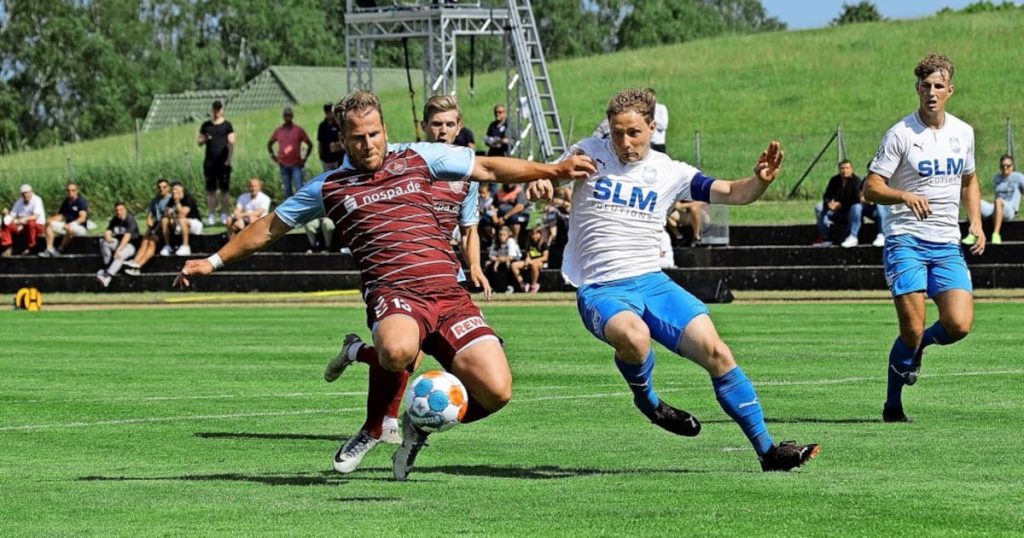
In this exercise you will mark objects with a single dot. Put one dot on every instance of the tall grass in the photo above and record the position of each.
(739, 92)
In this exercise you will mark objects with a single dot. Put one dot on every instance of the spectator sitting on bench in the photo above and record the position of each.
(116, 245)
(697, 214)
(23, 224)
(513, 207)
(71, 220)
(498, 268)
(840, 204)
(154, 213)
(251, 206)
(1008, 187)
(536, 259)
(556, 219)
(182, 217)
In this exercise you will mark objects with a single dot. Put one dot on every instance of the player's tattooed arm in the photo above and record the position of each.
(970, 195)
(254, 238)
(745, 191)
(511, 170)
(878, 191)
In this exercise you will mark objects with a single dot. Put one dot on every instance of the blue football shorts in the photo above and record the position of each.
(664, 306)
(913, 264)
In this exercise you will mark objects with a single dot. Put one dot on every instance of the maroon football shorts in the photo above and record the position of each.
(449, 322)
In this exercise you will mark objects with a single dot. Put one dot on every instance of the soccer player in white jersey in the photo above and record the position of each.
(923, 169)
(626, 300)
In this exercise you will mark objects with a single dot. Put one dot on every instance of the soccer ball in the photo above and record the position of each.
(436, 401)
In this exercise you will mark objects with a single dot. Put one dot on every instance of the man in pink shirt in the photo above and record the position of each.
(290, 137)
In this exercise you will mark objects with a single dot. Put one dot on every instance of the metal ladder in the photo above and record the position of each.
(533, 80)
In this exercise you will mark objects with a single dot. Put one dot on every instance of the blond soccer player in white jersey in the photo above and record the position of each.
(924, 169)
(626, 300)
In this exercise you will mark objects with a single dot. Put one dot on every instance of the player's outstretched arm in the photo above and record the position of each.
(970, 196)
(254, 238)
(511, 170)
(877, 191)
(745, 191)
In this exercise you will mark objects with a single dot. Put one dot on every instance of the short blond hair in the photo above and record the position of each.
(933, 63)
(360, 101)
(440, 103)
(637, 100)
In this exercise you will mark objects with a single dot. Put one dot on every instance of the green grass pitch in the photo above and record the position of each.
(216, 421)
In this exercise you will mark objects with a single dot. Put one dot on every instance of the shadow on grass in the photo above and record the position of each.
(324, 478)
(272, 436)
(329, 478)
(817, 420)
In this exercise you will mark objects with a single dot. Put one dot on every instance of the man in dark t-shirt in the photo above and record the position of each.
(218, 136)
(328, 138)
(497, 137)
(465, 138)
(71, 220)
(116, 246)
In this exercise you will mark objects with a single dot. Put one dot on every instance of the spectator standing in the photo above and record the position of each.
(465, 138)
(290, 137)
(328, 138)
(658, 137)
(251, 206)
(513, 208)
(71, 220)
(182, 217)
(840, 204)
(23, 224)
(497, 136)
(154, 213)
(116, 245)
(1009, 186)
(218, 136)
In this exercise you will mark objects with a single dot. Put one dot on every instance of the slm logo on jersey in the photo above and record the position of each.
(935, 167)
(606, 190)
(463, 327)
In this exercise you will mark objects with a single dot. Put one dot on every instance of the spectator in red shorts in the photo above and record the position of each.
(23, 224)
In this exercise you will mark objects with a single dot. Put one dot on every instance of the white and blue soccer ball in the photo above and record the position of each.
(436, 401)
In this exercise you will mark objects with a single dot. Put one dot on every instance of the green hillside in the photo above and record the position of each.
(740, 92)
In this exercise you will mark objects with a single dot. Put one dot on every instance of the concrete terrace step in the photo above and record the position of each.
(794, 277)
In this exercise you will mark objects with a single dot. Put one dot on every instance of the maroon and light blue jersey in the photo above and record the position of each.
(387, 217)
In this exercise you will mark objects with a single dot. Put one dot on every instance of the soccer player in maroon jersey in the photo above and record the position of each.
(381, 202)
(455, 205)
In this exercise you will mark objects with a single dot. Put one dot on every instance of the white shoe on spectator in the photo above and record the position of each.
(132, 271)
(166, 251)
(103, 277)
(184, 250)
(223, 218)
(879, 240)
(209, 219)
(510, 290)
(391, 432)
(850, 241)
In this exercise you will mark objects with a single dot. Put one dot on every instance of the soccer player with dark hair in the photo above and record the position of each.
(626, 300)
(924, 168)
(381, 201)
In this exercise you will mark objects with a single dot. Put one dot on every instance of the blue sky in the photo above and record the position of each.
(799, 14)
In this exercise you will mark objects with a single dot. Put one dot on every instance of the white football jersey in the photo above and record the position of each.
(618, 214)
(930, 163)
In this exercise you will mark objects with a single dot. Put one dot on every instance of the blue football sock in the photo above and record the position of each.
(936, 334)
(641, 382)
(736, 395)
(901, 359)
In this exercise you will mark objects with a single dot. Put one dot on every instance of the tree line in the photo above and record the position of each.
(80, 69)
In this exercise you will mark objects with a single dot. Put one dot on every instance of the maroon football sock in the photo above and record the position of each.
(385, 387)
(474, 412)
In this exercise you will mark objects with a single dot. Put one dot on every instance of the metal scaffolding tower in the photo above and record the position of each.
(533, 121)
